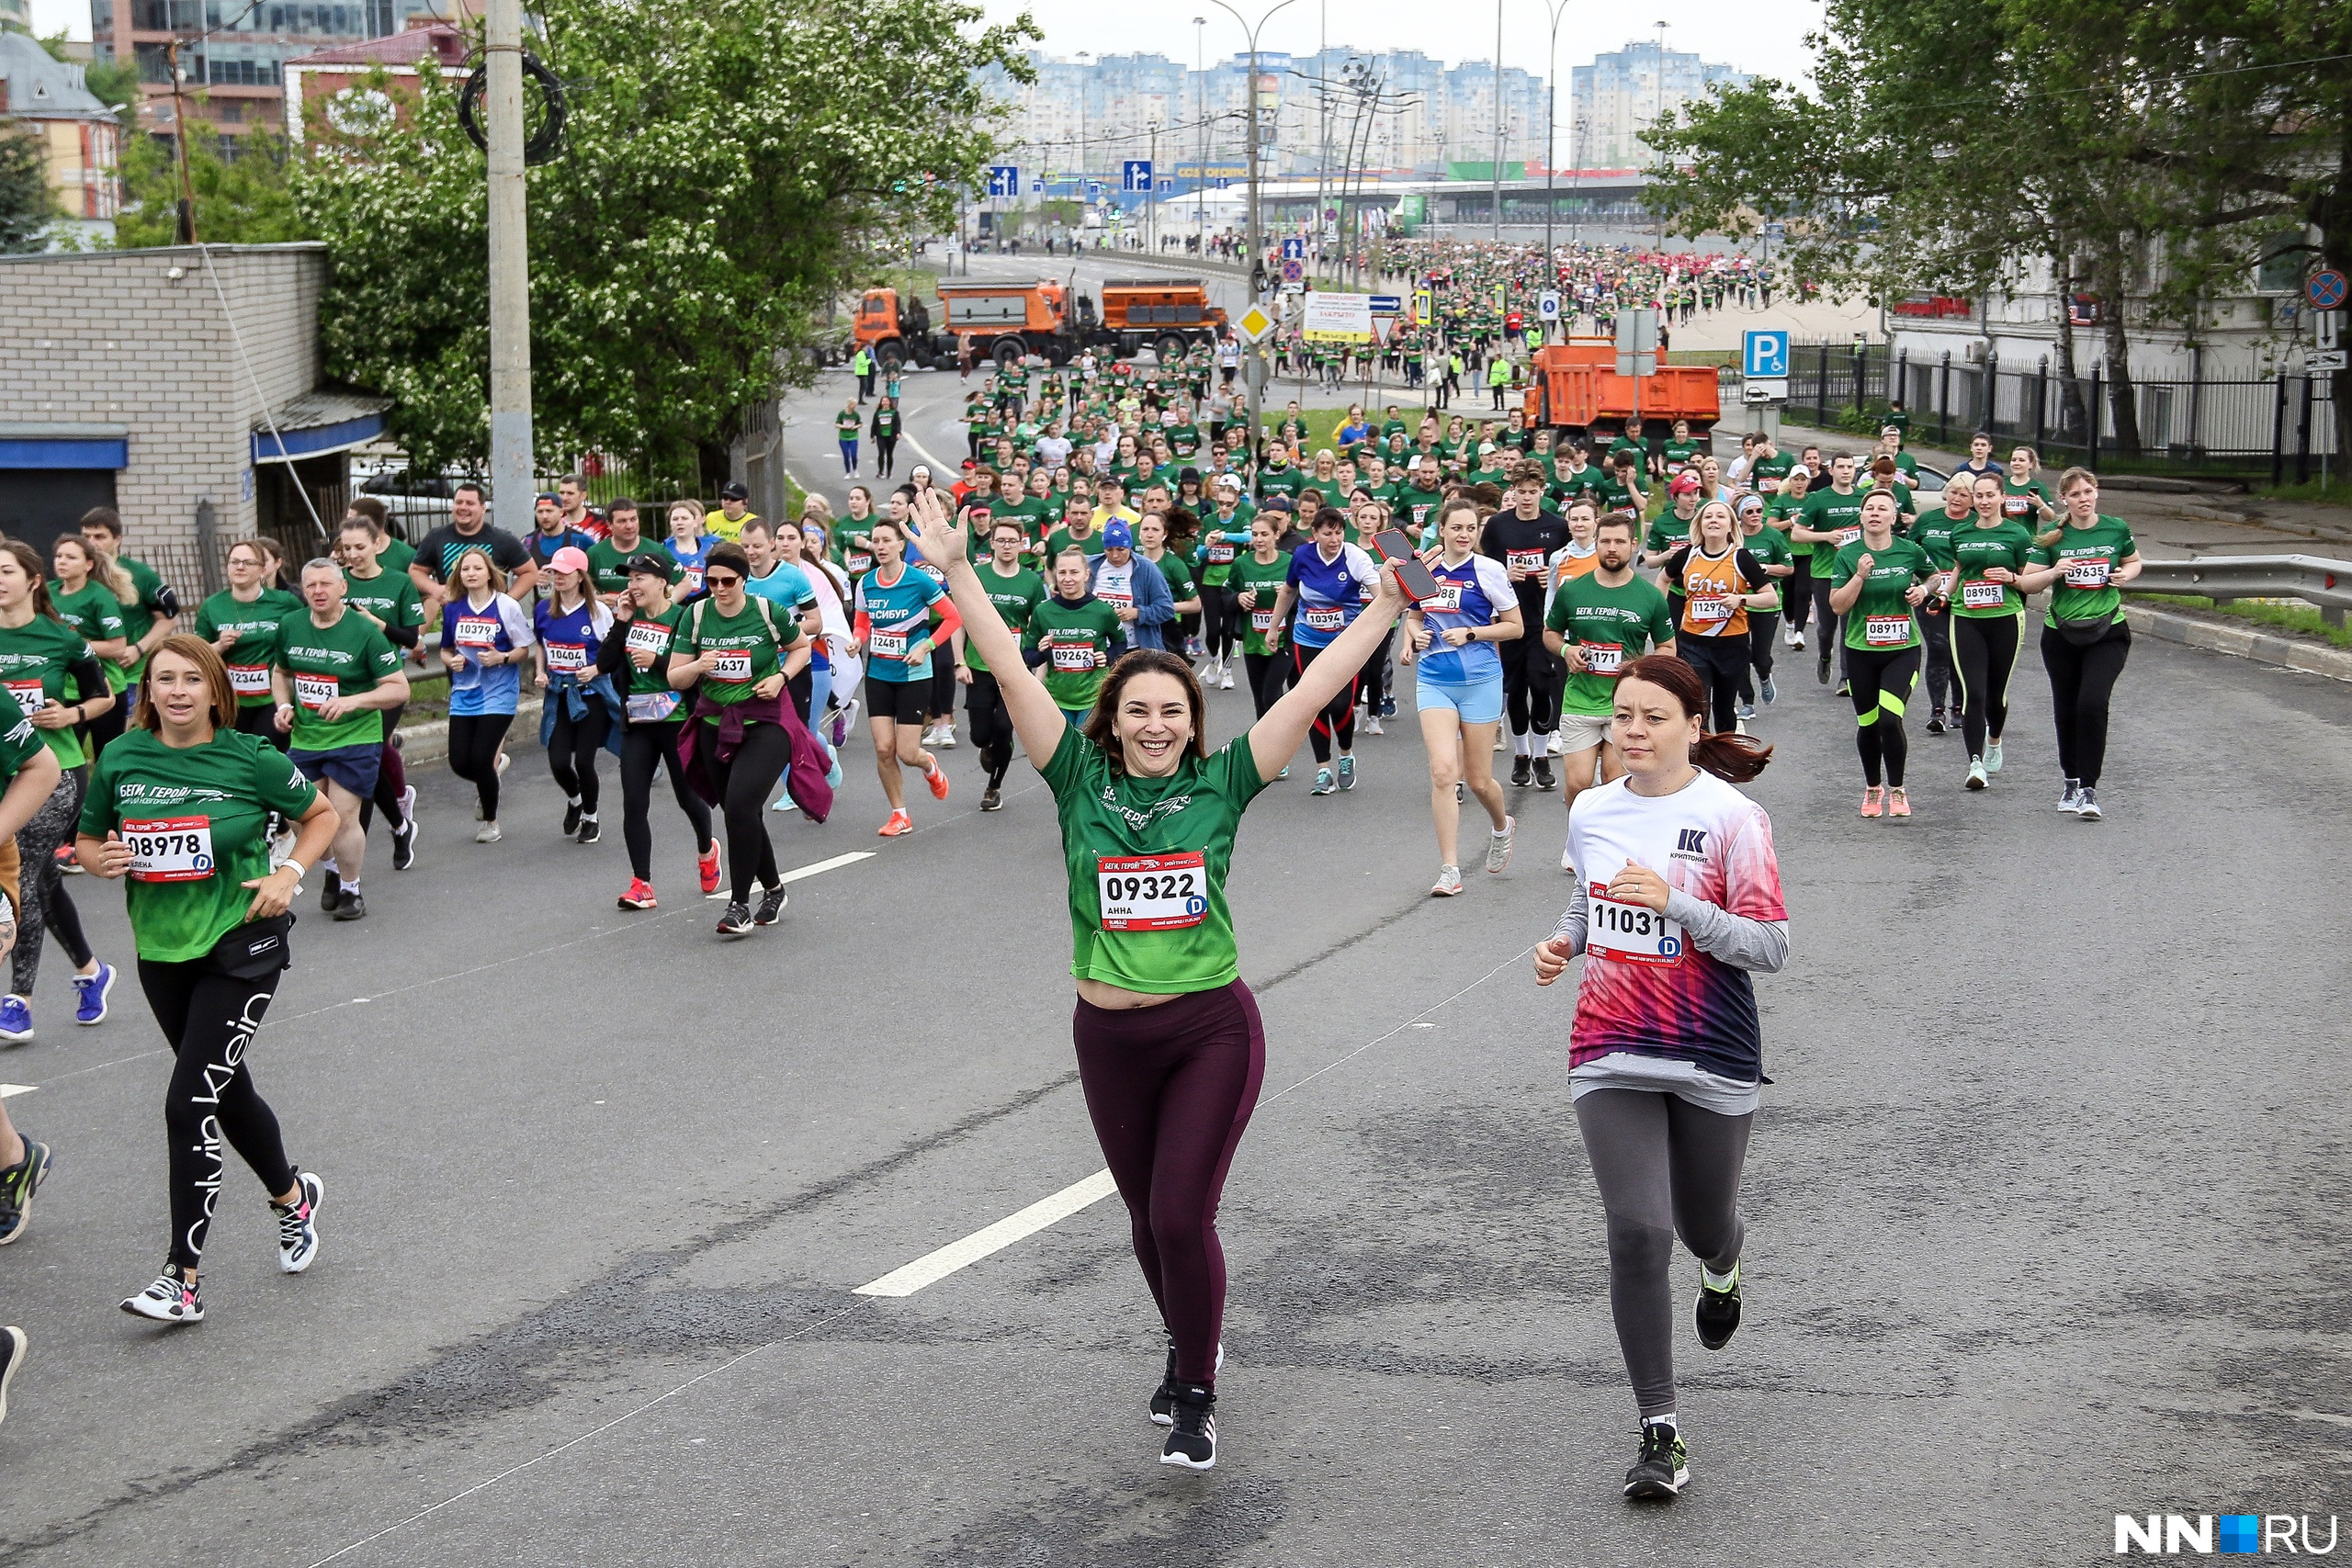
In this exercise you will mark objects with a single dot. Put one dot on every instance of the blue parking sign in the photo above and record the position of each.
(1765, 354)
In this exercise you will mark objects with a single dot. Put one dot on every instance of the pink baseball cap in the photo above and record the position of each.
(572, 557)
(1684, 484)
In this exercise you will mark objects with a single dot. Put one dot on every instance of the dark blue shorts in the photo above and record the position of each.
(353, 767)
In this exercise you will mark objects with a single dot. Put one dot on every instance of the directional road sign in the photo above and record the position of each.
(1294, 270)
(1166, 181)
(1005, 179)
(1255, 323)
(1136, 175)
(2325, 289)
(1387, 304)
(1293, 250)
(1221, 183)
(1547, 305)
(1765, 356)
(1422, 309)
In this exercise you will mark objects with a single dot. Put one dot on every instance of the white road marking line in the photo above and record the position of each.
(7, 1089)
(800, 873)
(932, 1267)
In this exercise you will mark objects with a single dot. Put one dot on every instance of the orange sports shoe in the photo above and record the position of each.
(899, 822)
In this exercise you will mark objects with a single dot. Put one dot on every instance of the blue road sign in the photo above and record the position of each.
(1036, 187)
(2325, 289)
(1293, 250)
(1136, 175)
(1766, 354)
(1294, 270)
(1166, 181)
(1387, 304)
(1221, 182)
(1005, 179)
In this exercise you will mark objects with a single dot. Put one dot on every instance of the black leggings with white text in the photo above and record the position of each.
(210, 1018)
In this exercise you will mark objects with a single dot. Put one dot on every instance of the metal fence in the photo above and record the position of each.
(2285, 425)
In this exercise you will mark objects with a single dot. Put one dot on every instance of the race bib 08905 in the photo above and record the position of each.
(1152, 892)
(1982, 595)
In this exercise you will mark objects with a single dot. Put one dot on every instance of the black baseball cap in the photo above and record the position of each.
(651, 564)
(734, 489)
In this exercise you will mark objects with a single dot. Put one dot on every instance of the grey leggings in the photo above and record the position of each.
(44, 906)
(1665, 1167)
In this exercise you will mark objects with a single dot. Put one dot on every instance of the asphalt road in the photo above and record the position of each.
(2044, 1203)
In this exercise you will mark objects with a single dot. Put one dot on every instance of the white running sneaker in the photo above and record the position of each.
(1449, 881)
(1993, 757)
(1498, 845)
(297, 1225)
(1372, 725)
(487, 833)
(169, 1300)
(1223, 678)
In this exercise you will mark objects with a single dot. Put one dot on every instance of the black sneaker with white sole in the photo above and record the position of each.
(18, 1185)
(404, 845)
(571, 817)
(737, 920)
(1663, 1468)
(170, 1299)
(1163, 1398)
(1521, 772)
(1717, 1312)
(330, 889)
(1192, 1431)
(12, 1357)
(590, 828)
(771, 907)
(297, 1225)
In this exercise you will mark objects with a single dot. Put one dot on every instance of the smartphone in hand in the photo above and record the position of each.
(1412, 576)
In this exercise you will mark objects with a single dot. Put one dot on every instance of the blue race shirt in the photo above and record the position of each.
(786, 586)
(1330, 592)
(1475, 593)
(475, 690)
(692, 560)
(899, 611)
(569, 641)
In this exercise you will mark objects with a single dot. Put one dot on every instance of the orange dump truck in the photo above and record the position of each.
(1169, 314)
(1576, 385)
(1011, 322)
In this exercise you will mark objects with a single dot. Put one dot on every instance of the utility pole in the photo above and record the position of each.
(1658, 114)
(1551, 118)
(511, 468)
(1201, 113)
(179, 136)
(1498, 169)
(1256, 373)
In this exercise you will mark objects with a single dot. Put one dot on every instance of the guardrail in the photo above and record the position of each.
(2312, 578)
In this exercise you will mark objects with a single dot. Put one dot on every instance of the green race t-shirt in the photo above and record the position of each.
(390, 596)
(749, 651)
(1059, 540)
(1264, 580)
(36, 665)
(1615, 625)
(1973, 549)
(653, 634)
(255, 651)
(345, 660)
(1073, 636)
(1179, 576)
(1932, 532)
(1016, 598)
(1147, 860)
(1828, 512)
(608, 563)
(19, 739)
(139, 616)
(1882, 621)
(1770, 548)
(2090, 555)
(194, 817)
(93, 612)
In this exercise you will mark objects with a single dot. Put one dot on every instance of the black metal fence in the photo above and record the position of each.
(2285, 425)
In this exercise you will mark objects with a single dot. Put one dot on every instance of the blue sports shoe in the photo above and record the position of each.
(1347, 772)
(16, 1019)
(90, 994)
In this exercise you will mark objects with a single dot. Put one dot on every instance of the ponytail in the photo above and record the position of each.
(1732, 757)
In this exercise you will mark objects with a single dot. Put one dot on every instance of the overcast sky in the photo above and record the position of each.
(1764, 37)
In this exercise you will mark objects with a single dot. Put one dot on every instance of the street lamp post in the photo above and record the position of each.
(1658, 113)
(1257, 372)
(1498, 169)
(1551, 118)
(1201, 113)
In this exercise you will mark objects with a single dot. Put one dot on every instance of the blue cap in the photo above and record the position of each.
(1117, 535)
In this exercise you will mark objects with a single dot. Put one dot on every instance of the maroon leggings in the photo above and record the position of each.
(1170, 1088)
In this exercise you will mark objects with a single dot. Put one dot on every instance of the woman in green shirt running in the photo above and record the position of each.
(2085, 639)
(240, 622)
(1170, 1051)
(1877, 583)
(180, 805)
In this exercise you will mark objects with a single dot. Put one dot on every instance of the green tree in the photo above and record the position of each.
(241, 200)
(727, 168)
(25, 206)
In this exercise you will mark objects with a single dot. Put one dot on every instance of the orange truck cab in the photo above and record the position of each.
(1576, 385)
(1169, 314)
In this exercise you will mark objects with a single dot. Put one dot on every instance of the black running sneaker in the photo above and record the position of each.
(1163, 1398)
(404, 845)
(1821, 665)
(771, 907)
(1936, 725)
(1544, 779)
(297, 1225)
(1663, 1468)
(590, 828)
(22, 1180)
(1718, 1312)
(329, 890)
(737, 920)
(12, 1355)
(1520, 771)
(991, 799)
(354, 907)
(1191, 1433)
(570, 818)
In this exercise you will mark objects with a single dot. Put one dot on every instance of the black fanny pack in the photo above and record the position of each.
(255, 949)
(2084, 632)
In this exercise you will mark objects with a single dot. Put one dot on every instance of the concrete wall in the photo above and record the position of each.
(113, 338)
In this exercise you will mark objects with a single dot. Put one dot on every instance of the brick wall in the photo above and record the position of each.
(111, 338)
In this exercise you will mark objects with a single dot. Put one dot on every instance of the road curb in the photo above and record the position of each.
(2242, 642)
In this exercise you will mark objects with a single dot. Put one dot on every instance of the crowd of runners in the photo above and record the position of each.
(1612, 610)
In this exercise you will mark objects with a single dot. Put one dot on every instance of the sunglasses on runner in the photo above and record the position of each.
(720, 579)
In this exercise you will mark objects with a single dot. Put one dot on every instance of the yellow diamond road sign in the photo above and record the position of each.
(1255, 323)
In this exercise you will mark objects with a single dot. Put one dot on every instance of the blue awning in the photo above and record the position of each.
(290, 444)
(64, 445)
